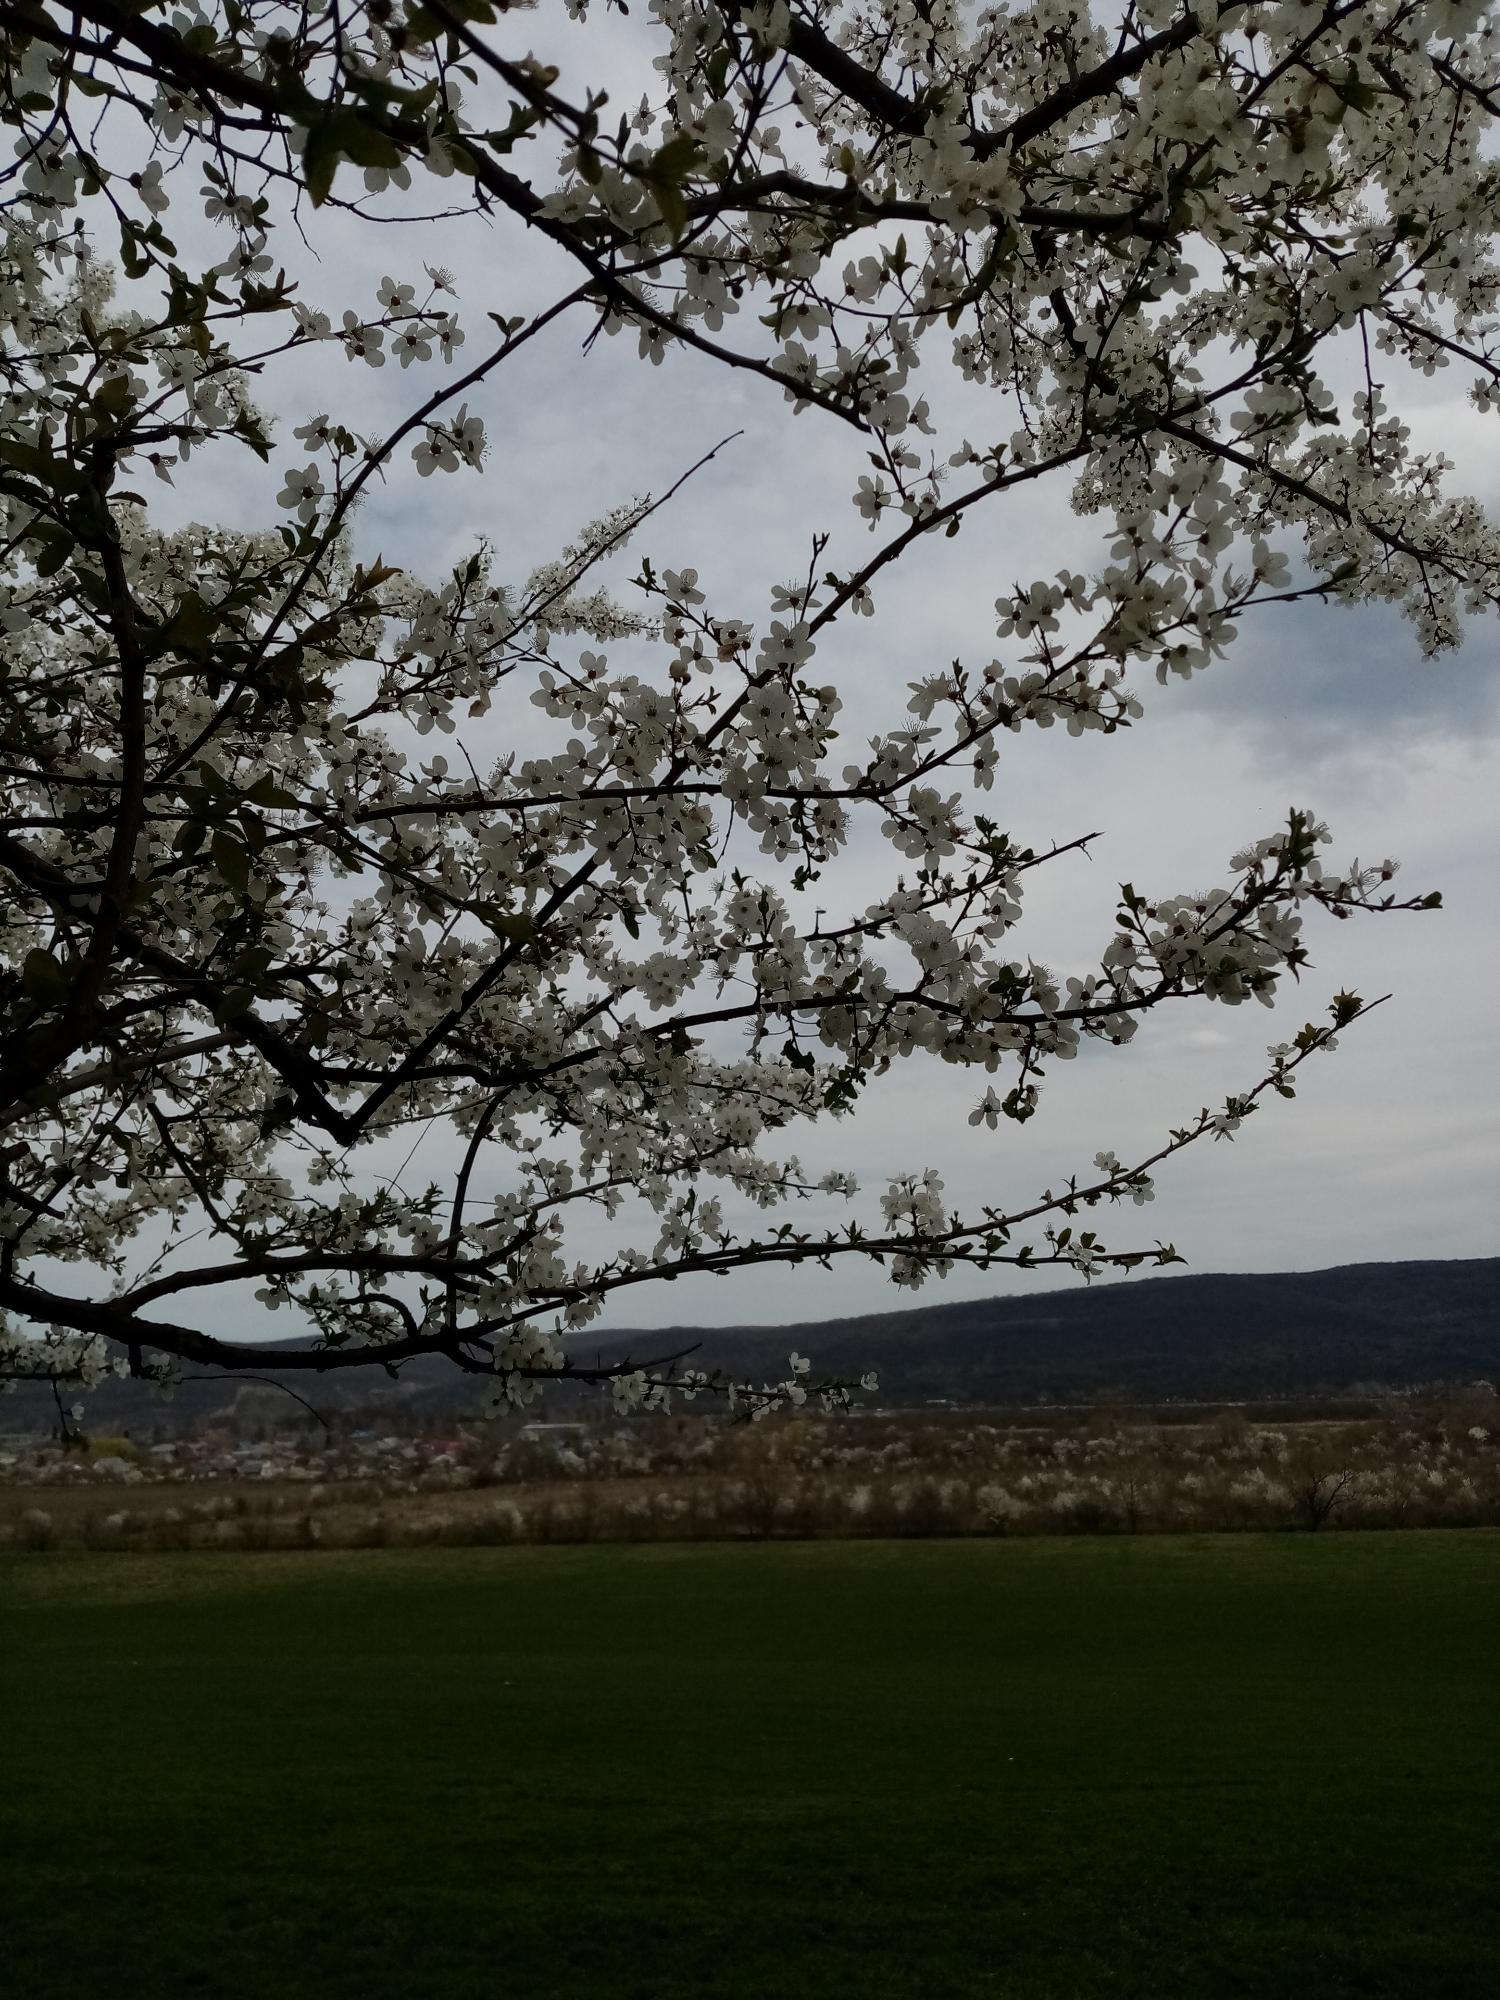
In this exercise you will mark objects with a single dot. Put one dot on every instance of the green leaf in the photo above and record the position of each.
(676, 159)
(1356, 94)
(190, 626)
(54, 547)
(40, 464)
(266, 792)
(505, 923)
(320, 159)
(365, 144)
(42, 977)
(668, 169)
(231, 860)
(254, 961)
(114, 398)
(672, 206)
(253, 828)
(236, 1000)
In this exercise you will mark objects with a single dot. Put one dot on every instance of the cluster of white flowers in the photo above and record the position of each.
(253, 928)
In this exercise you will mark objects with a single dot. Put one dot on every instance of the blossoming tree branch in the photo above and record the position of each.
(305, 854)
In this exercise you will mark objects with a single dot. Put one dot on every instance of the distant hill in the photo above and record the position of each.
(1193, 1339)
(1293, 1333)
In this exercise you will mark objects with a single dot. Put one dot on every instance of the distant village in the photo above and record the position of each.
(418, 1459)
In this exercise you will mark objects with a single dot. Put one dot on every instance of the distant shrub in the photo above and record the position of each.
(36, 1529)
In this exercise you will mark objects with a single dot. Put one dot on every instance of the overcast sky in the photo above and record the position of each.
(1393, 1147)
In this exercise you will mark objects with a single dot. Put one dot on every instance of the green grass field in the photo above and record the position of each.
(1155, 1767)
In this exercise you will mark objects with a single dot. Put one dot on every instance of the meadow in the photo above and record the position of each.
(1023, 1769)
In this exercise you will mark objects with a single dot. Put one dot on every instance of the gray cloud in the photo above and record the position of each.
(1317, 682)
